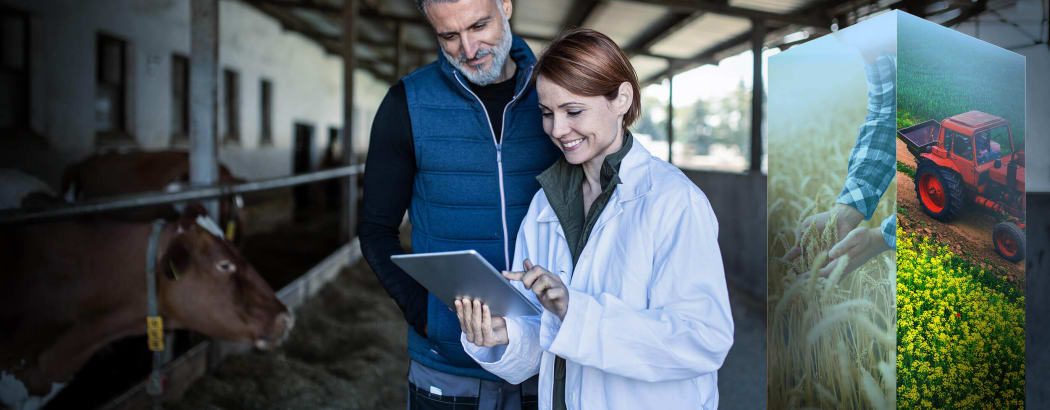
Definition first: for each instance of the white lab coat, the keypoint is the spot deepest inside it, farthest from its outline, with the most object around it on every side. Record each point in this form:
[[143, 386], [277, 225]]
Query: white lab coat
[[648, 323]]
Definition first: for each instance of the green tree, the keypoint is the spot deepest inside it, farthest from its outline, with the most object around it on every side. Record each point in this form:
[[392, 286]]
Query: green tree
[[657, 130]]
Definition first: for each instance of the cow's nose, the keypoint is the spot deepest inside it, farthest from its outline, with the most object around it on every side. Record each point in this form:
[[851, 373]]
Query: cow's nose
[[282, 327]]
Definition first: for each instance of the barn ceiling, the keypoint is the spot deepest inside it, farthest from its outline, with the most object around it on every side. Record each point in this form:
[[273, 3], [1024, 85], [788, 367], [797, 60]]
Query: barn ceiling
[[663, 37]]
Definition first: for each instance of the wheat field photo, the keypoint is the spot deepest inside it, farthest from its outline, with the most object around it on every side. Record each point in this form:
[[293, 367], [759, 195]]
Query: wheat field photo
[[831, 341]]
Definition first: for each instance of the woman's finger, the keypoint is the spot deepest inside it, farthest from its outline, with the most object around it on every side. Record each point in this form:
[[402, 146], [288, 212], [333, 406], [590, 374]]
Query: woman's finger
[[513, 275], [540, 286], [556, 293], [532, 275]]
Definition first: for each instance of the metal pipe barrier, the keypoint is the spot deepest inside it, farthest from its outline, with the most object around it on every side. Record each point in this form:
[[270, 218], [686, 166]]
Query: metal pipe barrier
[[161, 198]]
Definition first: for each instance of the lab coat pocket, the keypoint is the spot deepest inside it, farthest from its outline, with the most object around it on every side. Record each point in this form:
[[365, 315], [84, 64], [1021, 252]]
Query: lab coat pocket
[[618, 266]]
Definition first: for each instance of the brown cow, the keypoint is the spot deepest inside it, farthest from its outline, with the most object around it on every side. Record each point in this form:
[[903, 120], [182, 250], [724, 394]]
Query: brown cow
[[71, 287], [118, 173]]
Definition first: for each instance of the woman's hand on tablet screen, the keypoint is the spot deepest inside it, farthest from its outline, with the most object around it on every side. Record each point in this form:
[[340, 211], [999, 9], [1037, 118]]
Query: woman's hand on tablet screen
[[477, 322], [548, 287]]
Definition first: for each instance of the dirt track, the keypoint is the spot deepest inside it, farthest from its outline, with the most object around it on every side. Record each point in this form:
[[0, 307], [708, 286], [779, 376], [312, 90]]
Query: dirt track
[[969, 235]]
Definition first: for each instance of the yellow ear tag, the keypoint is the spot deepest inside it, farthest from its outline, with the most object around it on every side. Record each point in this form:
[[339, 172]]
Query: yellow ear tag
[[231, 228], [174, 272], [155, 333]]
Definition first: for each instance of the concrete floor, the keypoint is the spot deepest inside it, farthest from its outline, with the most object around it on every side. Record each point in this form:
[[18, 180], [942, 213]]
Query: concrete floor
[[742, 379]]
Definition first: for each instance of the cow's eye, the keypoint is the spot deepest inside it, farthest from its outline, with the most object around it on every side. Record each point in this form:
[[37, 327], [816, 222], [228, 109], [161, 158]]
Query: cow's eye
[[226, 267]]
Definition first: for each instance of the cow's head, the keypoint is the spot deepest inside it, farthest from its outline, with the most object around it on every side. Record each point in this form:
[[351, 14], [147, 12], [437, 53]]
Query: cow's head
[[210, 288]]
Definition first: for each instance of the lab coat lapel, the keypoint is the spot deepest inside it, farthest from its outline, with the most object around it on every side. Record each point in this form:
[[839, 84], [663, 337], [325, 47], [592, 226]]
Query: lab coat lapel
[[547, 215]]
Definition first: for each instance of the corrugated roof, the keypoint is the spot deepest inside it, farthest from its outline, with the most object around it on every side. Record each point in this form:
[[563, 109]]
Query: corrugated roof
[[622, 21], [647, 67], [701, 34], [540, 17]]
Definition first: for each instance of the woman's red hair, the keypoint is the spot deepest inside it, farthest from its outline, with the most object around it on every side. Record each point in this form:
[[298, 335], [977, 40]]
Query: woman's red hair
[[588, 63]]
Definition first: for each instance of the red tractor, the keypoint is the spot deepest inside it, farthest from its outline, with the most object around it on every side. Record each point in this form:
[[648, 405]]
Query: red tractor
[[971, 158]]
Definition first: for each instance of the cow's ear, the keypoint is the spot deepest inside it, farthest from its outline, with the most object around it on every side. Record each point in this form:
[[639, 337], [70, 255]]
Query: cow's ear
[[190, 214], [176, 259]]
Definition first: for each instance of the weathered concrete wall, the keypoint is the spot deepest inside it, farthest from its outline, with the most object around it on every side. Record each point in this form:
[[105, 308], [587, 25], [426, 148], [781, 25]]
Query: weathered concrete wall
[[739, 201], [307, 83], [1037, 299]]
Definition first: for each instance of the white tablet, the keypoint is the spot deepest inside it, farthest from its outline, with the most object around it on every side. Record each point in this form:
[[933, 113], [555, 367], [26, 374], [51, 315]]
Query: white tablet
[[451, 275]]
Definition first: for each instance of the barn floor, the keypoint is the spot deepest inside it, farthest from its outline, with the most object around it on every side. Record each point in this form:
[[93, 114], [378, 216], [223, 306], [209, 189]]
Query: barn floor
[[347, 350]]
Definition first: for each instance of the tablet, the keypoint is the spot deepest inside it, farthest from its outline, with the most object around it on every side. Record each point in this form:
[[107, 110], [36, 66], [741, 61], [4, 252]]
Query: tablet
[[450, 275]]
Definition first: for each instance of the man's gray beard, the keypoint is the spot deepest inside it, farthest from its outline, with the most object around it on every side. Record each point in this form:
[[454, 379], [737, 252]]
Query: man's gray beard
[[499, 57]]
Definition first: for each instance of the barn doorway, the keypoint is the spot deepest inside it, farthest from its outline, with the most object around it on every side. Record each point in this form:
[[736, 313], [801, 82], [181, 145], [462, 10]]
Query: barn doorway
[[301, 163], [332, 158]]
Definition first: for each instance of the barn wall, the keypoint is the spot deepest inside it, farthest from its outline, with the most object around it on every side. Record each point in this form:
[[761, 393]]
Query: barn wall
[[307, 83], [739, 202], [1037, 298]]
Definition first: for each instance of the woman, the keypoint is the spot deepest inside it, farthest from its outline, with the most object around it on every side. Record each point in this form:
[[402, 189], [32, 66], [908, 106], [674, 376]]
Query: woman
[[619, 248]]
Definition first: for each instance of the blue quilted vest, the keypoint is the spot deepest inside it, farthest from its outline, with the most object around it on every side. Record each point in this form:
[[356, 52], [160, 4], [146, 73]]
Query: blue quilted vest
[[469, 192]]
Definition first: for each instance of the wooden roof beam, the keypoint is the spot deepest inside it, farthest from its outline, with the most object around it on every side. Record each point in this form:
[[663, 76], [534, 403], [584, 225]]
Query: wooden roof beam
[[660, 30], [581, 10]]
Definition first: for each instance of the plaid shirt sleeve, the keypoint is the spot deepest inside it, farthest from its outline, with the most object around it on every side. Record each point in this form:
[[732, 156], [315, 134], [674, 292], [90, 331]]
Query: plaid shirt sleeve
[[889, 231], [871, 163]]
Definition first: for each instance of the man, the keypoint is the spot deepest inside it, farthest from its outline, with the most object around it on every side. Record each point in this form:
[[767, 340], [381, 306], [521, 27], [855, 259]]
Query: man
[[458, 144]]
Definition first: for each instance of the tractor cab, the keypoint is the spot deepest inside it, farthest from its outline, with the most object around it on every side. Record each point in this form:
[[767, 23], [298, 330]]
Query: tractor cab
[[981, 149], [979, 144]]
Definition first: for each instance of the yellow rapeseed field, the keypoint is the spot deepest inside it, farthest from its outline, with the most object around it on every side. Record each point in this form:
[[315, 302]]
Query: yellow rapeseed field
[[831, 342], [960, 343]]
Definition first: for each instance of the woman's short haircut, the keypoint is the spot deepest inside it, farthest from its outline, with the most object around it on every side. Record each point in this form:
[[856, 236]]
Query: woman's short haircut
[[588, 63]]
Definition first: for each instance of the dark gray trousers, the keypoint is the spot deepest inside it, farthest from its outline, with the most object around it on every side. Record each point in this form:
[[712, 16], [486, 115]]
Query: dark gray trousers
[[432, 389]]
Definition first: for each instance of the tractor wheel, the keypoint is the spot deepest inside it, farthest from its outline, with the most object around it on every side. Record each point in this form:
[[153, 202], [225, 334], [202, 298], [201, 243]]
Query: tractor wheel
[[1009, 241], [939, 191]]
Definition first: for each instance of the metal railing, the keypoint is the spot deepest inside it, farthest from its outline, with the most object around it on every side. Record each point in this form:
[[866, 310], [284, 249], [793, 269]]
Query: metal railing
[[160, 198]]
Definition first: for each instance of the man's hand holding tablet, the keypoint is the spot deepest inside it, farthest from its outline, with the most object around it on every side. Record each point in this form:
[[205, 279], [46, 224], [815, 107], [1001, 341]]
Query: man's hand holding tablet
[[477, 322]]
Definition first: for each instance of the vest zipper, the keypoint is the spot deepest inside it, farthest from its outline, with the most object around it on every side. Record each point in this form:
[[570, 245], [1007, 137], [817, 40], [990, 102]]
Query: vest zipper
[[499, 157]]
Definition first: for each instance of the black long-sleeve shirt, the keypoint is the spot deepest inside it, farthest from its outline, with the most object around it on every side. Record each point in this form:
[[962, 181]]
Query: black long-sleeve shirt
[[389, 174]]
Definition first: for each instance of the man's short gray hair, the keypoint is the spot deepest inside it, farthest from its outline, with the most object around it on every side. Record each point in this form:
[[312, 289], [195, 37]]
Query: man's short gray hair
[[422, 4]]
